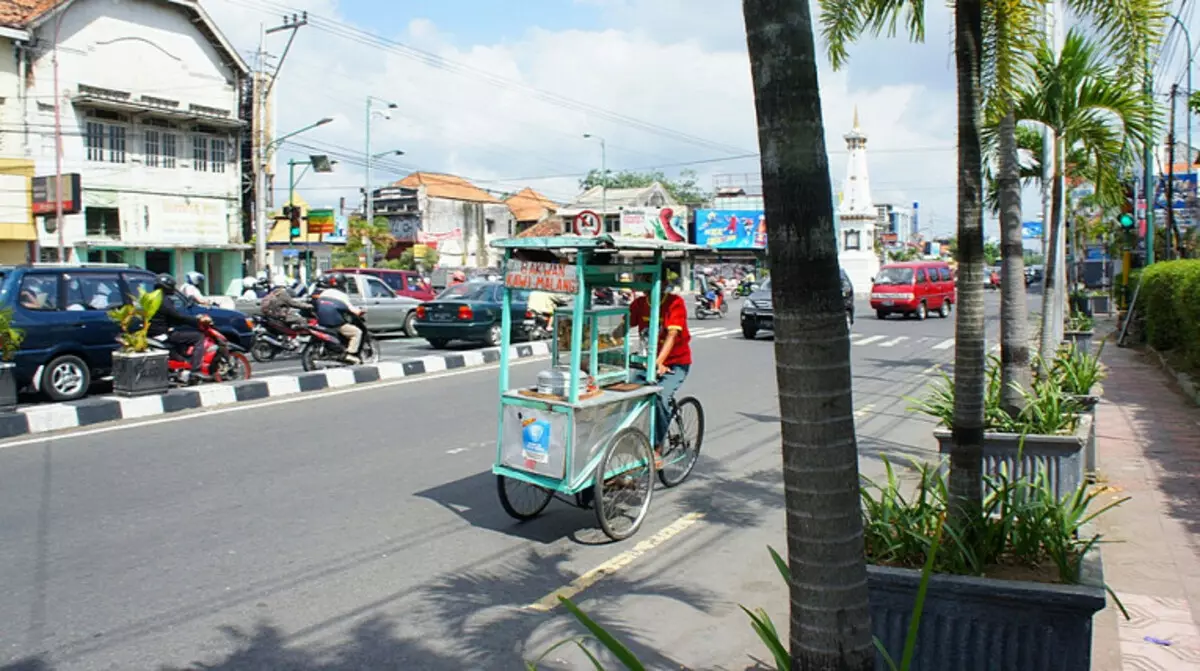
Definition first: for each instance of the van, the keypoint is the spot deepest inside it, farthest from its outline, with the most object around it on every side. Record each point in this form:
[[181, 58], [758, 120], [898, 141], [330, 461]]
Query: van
[[914, 288]]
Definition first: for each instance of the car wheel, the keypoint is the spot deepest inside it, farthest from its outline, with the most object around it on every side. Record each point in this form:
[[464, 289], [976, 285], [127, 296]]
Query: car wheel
[[410, 324], [494, 336], [922, 312], [438, 343], [881, 314], [66, 378], [944, 310], [749, 332]]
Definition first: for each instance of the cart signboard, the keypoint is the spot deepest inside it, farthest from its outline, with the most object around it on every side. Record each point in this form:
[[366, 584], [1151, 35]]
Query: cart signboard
[[554, 278], [535, 441]]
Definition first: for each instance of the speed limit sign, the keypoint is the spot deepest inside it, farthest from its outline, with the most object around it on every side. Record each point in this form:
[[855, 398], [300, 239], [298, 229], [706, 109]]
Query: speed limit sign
[[587, 223]]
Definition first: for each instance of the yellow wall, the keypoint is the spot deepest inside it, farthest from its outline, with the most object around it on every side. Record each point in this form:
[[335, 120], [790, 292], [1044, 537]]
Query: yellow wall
[[16, 216], [12, 253]]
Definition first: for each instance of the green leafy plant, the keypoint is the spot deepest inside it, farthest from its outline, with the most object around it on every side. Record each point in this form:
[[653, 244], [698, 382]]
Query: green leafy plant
[[134, 320], [1080, 322], [1077, 372], [11, 337]]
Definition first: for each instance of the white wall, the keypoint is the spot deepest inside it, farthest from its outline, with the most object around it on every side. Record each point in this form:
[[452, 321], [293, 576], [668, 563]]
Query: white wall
[[440, 215], [152, 49]]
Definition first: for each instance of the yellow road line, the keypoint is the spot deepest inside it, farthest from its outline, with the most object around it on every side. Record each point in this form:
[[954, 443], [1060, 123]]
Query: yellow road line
[[550, 601]]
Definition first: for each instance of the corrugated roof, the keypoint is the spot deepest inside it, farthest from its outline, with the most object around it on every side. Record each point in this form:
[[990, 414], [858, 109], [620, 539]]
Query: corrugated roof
[[529, 205], [450, 187], [549, 228], [595, 198]]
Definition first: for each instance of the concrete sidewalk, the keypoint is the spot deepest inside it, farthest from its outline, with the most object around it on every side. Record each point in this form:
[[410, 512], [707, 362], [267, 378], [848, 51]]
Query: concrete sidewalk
[[1148, 446]]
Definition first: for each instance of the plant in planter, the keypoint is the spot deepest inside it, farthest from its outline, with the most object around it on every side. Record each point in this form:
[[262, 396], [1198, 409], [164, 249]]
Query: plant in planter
[[1079, 331], [1079, 375], [10, 343], [1101, 302], [137, 369]]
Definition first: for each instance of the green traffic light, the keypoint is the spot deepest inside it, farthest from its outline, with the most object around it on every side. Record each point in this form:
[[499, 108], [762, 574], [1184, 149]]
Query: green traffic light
[[1126, 221]]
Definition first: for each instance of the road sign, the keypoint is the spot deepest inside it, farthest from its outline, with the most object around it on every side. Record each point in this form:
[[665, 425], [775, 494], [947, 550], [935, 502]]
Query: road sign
[[588, 223]]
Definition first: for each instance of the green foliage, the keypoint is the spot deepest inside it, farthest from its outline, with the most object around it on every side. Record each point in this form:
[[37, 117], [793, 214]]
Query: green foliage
[[906, 254], [1170, 300], [686, 189], [991, 253], [10, 336], [134, 320], [379, 232], [1021, 524], [408, 260], [1080, 322], [1077, 373]]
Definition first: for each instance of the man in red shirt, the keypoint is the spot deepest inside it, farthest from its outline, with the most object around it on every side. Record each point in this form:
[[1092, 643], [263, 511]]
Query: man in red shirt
[[674, 348]]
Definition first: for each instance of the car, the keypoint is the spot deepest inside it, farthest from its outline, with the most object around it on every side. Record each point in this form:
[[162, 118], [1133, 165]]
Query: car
[[386, 311], [408, 283], [758, 312], [914, 288], [69, 337], [471, 311]]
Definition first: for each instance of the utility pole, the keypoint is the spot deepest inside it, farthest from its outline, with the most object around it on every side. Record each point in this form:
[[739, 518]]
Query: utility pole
[[262, 91], [1170, 187], [1148, 163]]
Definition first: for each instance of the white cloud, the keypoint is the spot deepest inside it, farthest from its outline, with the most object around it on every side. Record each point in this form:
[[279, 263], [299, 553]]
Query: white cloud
[[681, 66]]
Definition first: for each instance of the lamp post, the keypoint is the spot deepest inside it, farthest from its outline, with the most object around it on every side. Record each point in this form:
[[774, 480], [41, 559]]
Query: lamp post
[[603, 179], [1187, 36], [318, 163], [260, 214], [369, 209]]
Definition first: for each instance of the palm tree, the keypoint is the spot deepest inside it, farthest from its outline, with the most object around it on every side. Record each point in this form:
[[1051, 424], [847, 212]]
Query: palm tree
[[830, 622], [1091, 107]]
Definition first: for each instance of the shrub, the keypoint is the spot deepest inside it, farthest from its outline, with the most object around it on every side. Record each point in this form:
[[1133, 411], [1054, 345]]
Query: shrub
[[1170, 300]]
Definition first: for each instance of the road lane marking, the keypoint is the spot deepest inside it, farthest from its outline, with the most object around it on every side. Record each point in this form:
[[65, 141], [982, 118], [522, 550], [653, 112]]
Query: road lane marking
[[893, 342], [868, 341], [205, 413], [718, 333], [945, 344], [456, 450], [586, 580], [864, 410]]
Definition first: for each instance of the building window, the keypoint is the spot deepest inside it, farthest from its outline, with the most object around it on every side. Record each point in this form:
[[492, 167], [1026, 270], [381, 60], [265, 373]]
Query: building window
[[95, 141], [218, 155], [612, 224], [106, 256], [491, 226], [853, 240], [200, 153], [151, 147], [116, 144], [169, 151], [102, 222]]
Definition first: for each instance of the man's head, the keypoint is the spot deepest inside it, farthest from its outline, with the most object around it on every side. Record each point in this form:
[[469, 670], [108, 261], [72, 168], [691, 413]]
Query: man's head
[[165, 283]]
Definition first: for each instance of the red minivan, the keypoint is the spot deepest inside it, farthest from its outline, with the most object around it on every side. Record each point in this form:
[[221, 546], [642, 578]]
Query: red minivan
[[915, 288], [404, 282]]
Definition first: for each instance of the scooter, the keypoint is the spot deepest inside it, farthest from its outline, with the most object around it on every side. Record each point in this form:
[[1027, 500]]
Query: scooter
[[745, 289], [224, 361], [537, 325], [711, 304], [273, 337], [326, 349]]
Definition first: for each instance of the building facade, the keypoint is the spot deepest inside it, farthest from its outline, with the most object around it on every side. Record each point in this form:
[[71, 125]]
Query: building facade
[[148, 97], [459, 218], [857, 216], [611, 203], [893, 225]]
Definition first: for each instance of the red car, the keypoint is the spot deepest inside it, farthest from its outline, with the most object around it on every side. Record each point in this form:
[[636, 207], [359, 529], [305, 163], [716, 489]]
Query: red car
[[914, 288], [404, 282]]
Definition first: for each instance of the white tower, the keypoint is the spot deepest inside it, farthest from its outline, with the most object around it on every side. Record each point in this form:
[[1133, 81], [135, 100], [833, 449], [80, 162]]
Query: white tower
[[857, 216]]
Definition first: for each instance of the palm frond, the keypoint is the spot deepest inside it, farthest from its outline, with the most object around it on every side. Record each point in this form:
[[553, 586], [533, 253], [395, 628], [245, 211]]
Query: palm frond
[[843, 22], [1131, 27]]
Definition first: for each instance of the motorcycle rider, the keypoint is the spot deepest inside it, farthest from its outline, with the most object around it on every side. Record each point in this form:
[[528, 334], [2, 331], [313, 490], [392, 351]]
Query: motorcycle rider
[[191, 288], [249, 289], [182, 329], [459, 277], [332, 307], [281, 305]]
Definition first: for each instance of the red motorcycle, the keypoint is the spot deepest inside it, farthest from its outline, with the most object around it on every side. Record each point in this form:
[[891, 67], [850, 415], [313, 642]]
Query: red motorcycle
[[224, 361]]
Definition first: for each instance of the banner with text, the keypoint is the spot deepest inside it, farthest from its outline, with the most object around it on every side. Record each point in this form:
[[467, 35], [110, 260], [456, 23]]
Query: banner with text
[[731, 229], [554, 278]]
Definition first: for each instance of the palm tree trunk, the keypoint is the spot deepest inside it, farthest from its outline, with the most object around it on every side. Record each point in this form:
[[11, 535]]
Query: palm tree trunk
[[1014, 317], [1051, 315], [966, 459], [830, 620]]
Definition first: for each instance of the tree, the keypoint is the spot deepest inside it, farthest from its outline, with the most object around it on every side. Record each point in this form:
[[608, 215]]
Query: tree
[[408, 259], [378, 232], [991, 253], [830, 621], [686, 189]]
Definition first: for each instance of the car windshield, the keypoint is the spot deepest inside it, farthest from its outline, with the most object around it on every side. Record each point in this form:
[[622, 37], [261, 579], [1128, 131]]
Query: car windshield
[[765, 286], [471, 291], [894, 276]]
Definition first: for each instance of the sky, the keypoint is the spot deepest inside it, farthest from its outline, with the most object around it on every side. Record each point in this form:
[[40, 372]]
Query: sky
[[502, 92]]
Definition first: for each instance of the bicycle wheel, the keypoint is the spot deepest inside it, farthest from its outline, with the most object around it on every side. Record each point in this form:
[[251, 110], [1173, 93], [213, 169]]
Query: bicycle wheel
[[520, 499], [685, 434], [624, 484]]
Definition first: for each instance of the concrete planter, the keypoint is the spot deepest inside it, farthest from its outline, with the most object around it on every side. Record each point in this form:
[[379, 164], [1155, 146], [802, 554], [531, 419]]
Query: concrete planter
[[8, 386], [140, 373], [1081, 339], [1089, 450], [985, 624], [1101, 304], [1061, 458]]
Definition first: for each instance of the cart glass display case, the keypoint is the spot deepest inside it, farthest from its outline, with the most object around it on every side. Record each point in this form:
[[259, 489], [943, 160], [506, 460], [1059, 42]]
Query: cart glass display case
[[605, 349]]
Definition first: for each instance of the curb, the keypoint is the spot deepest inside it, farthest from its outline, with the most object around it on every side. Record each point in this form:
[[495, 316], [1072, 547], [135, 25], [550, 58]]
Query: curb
[[1185, 381], [99, 409]]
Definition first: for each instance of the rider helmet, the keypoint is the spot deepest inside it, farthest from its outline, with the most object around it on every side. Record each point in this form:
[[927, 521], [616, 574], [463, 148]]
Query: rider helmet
[[280, 280], [459, 276], [249, 283], [337, 280], [165, 282], [194, 278]]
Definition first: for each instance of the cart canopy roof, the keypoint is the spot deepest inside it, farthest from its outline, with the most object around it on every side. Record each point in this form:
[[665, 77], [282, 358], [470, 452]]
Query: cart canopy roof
[[597, 242]]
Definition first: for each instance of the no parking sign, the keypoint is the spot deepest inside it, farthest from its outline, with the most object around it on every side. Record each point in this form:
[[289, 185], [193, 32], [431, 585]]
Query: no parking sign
[[588, 223]]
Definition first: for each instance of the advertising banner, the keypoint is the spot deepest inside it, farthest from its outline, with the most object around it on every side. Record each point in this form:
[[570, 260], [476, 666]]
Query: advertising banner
[[321, 222], [555, 278], [1183, 194], [661, 223], [731, 229], [1031, 230]]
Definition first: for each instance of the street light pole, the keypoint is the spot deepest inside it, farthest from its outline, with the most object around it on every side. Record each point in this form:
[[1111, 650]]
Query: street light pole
[[603, 179], [369, 208], [260, 226]]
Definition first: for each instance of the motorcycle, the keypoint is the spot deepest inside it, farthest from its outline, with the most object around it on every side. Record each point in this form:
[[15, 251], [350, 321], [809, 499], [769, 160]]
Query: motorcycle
[[745, 289], [273, 337], [711, 304], [326, 348], [537, 325], [224, 361]]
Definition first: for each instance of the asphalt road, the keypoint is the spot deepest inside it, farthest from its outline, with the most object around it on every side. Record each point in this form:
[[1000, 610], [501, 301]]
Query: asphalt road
[[360, 529]]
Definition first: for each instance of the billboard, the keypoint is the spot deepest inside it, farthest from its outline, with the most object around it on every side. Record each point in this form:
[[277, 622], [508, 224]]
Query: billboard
[[731, 229], [662, 223], [44, 192], [1031, 230], [1183, 194]]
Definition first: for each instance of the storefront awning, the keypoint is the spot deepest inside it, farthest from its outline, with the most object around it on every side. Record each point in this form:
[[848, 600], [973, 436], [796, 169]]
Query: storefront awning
[[106, 243], [122, 102]]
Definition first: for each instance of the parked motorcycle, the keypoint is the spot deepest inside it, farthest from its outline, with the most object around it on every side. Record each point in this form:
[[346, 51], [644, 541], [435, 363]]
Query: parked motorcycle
[[327, 349], [224, 361], [273, 337], [711, 304]]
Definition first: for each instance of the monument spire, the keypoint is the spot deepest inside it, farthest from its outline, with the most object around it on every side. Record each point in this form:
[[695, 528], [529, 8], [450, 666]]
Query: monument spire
[[856, 214]]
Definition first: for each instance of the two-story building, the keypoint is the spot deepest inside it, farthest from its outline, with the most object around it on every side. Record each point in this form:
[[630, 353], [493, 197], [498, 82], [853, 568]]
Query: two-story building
[[17, 232], [460, 217], [148, 101]]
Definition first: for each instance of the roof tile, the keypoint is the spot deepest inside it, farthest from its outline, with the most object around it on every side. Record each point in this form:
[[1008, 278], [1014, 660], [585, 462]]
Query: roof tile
[[450, 187], [529, 205]]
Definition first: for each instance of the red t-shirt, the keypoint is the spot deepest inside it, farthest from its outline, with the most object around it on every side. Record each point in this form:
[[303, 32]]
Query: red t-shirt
[[672, 318]]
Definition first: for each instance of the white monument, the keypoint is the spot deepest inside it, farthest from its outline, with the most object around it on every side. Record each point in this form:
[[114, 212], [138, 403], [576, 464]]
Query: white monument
[[857, 216]]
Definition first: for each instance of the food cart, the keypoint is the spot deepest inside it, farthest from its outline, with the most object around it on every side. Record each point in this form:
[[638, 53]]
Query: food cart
[[583, 432]]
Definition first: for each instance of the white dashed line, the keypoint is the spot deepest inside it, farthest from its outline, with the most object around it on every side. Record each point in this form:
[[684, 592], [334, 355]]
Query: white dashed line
[[945, 344], [893, 342], [868, 341]]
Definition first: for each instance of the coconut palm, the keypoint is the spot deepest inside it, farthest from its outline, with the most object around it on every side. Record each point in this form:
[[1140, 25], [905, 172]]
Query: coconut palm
[[830, 623], [1091, 107]]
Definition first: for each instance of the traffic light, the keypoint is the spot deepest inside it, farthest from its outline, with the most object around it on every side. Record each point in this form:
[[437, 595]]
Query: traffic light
[[1126, 220], [293, 215]]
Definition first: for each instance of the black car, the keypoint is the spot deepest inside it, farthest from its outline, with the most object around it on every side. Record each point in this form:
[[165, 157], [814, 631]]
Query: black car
[[471, 312], [69, 337], [758, 314]]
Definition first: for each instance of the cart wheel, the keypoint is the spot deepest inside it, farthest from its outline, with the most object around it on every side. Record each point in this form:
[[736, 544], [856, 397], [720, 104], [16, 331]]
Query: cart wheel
[[624, 484], [685, 435], [520, 499]]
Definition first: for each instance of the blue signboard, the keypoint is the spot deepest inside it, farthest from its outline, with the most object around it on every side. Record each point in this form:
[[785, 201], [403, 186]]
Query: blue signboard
[[731, 229], [1031, 230]]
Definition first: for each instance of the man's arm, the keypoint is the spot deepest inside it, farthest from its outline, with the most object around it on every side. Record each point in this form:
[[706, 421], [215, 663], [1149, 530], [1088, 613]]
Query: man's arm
[[174, 315]]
